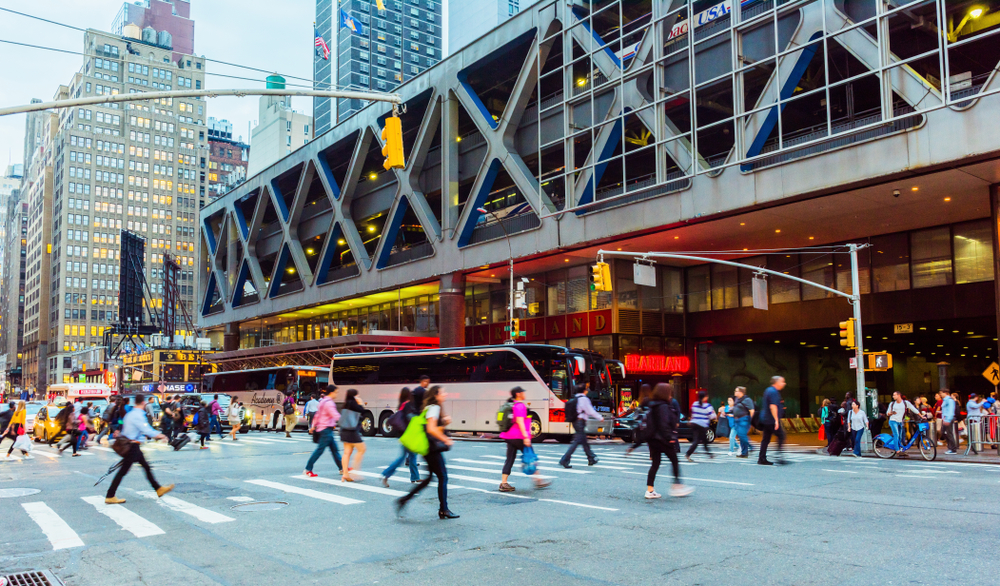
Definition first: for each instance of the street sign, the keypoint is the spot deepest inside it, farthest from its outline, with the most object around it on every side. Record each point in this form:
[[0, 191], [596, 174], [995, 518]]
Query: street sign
[[992, 374], [759, 290], [853, 362], [902, 328], [644, 275], [879, 361], [83, 378]]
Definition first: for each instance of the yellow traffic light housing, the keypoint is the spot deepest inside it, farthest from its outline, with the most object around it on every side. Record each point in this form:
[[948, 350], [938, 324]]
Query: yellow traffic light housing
[[600, 277], [515, 328], [847, 334], [879, 361], [392, 138], [605, 275]]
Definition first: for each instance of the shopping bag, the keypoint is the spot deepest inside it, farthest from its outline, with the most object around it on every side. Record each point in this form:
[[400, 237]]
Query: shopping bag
[[529, 461], [22, 443], [822, 433], [415, 436]]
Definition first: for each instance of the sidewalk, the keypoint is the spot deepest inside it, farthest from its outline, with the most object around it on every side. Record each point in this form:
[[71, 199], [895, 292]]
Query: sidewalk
[[989, 456]]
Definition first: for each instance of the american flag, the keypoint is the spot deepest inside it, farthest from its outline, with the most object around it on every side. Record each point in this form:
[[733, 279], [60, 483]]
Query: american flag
[[321, 45]]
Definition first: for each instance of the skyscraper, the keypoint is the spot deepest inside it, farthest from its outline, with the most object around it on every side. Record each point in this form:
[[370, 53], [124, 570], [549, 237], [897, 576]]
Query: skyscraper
[[465, 26], [373, 49]]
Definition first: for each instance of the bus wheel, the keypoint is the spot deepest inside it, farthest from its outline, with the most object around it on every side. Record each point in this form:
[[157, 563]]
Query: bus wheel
[[367, 424], [385, 428], [535, 428]]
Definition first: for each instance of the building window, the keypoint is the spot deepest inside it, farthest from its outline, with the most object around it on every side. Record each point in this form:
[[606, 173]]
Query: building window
[[930, 251], [973, 244], [698, 286], [891, 263], [725, 287], [784, 290]]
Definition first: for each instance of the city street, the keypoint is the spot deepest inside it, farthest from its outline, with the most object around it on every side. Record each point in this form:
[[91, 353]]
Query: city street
[[819, 520]]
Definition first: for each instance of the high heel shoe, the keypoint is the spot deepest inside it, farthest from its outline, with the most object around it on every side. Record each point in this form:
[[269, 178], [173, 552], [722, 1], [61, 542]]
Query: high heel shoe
[[447, 515]]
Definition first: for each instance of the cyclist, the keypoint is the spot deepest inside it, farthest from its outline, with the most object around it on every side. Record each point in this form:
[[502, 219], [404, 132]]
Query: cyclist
[[896, 411]]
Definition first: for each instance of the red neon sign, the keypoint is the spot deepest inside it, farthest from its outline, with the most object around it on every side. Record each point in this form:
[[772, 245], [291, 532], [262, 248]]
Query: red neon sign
[[661, 364]]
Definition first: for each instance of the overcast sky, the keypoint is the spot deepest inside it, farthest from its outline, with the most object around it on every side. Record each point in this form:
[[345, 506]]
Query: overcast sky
[[276, 36]]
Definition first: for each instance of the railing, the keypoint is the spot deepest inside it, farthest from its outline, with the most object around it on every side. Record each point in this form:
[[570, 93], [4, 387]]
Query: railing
[[982, 431], [514, 225], [342, 273], [424, 249], [675, 182]]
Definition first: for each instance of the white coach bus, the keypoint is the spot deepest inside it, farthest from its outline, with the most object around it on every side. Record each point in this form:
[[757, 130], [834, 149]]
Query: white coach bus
[[263, 390], [478, 381]]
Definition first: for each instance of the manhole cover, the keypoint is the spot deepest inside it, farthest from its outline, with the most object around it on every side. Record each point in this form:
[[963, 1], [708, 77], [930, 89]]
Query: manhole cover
[[10, 493], [260, 506]]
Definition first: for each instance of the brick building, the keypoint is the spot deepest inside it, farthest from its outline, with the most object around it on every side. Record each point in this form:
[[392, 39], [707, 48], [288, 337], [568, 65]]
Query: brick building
[[228, 158]]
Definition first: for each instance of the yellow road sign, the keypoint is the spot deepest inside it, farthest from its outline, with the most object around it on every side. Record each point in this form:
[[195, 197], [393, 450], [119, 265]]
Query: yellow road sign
[[992, 374]]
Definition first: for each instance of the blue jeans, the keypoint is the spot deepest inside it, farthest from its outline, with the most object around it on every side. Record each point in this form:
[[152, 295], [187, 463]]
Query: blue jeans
[[215, 425], [858, 435], [325, 441], [897, 433], [742, 431], [411, 460], [732, 434]]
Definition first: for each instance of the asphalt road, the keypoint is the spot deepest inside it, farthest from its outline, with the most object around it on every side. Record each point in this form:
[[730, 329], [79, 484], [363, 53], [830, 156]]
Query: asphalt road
[[819, 520]]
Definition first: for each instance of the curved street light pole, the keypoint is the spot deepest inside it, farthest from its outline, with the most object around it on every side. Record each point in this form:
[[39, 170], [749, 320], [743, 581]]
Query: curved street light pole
[[510, 251]]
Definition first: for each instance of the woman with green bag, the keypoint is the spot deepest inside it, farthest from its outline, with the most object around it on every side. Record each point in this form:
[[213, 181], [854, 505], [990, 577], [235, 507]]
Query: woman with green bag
[[432, 447]]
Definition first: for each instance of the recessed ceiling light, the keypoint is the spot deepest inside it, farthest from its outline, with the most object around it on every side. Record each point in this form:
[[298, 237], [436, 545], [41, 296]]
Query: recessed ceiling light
[[619, 249], [947, 199], [743, 223], [677, 237], [749, 339], [778, 231], [812, 238], [566, 260], [914, 188]]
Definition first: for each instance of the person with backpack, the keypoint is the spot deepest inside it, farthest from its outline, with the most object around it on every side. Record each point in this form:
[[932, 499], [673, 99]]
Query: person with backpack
[[288, 410], [772, 410], [579, 409], [235, 417], [407, 456], [515, 430], [350, 434], [645, 396], [309, 411], [203, 423], [661, 435], [323, 424], [108, 416], [702, 415], [439, 442], [16, 429], [743, 410], [825, 415]]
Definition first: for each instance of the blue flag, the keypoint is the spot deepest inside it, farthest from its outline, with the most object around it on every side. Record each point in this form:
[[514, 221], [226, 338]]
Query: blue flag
[[347, 21]]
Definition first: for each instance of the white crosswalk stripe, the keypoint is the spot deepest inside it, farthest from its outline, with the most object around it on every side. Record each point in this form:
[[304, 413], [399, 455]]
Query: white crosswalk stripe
[[354, 485], [323, 496], [58, 532], [126, 519], [187, 508], [488, 471], [560, 469], [554, 459]]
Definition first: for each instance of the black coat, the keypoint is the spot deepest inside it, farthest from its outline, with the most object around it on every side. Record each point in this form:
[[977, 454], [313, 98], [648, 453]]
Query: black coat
[[204, 420]]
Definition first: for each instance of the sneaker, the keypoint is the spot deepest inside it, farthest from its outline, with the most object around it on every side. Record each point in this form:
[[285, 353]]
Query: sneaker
[[28, 457], [164, 490], [310, 474], [681, 491], [940, 443], [540, 484], [765, 462], [688, 458], [111, 500], [742, 455], [203, 448], [592, 462], [652, 494], [504, 487], [951, 452]]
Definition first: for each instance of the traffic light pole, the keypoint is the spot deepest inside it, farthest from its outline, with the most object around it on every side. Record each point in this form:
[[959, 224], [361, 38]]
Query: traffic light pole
[[859, 341]]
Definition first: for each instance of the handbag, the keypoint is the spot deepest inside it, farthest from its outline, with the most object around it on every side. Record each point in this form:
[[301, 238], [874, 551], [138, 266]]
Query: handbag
[[436, 446], [397, 422], [122, 445], [349, 420], [22, 443], [415, 436], [822, 433], [529, 460]]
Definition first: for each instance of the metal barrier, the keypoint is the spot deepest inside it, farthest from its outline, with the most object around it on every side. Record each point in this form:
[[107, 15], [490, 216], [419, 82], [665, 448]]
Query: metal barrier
[[981, 432]]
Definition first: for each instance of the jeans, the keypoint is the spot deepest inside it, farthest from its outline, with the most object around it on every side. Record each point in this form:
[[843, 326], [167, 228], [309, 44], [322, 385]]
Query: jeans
[[766, 439], [897, 432], [411, 460], [732, 435], [579, 438], [133, 456], [215, 425], [435, 467], [859, 435], [325, 441], [107, 431], [656, 451], [698, 437], [742, 431]]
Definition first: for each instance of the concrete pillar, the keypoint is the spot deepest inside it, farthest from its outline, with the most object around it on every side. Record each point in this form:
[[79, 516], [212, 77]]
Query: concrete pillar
[[943, 375], [995, 215], [452, 310], [231, 339]]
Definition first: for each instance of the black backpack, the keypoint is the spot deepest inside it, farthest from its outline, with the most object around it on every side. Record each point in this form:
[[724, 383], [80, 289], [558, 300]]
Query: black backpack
[[571, 414], [646, 428], [289, 408]]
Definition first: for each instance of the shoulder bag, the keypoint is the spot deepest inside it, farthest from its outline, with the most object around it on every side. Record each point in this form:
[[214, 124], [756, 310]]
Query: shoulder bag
[[121, 445], [414, 438]]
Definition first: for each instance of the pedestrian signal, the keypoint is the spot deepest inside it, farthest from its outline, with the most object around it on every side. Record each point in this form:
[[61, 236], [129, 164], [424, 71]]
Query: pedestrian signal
[[392, 138], [847, 334], [879, 361]]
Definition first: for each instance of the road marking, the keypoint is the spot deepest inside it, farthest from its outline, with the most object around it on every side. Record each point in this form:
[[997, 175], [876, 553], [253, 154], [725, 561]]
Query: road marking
[[125, 518], [264, 440], [551, 458], [697, 479], [354, 485], [842, 471], [46, 454], [187, 508], [323, 496], [41, 451], [488, 471], [101, 448], [578, 505], [240, 499], [560, 469], [59, 534], [915, 476]]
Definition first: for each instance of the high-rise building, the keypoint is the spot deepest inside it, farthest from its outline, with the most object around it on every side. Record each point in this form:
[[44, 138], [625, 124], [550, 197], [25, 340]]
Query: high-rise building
[[10, 189], [12, 292], [139, 166], [465, 26], [279, 131], [373, 49], [161, 22], [227, 159]]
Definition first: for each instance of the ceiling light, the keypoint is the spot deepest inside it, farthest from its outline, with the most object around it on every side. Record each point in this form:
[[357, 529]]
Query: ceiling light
[[914, 188], [778, 231], [743, 223], [458, 139], [812, 238], [976, 12], [581, 82], [566, 260], [310, 251], [749, 339], [677, 237], [947, 199], [371, 228], [372, 176], [341, 242], [954, 331], [619, 249], [777, 341], [290, 270]]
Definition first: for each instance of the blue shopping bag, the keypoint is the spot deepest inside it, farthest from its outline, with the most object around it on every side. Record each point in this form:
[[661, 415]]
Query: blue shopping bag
[[529, 461]]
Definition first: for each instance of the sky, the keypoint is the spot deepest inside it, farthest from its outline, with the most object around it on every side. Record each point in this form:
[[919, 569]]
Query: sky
[[275, 36]]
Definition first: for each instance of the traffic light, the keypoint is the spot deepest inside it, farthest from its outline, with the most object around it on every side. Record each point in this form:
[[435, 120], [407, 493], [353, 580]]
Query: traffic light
[[515, 328], [879, 361], [847, 333], [600, 277], [392, 137]]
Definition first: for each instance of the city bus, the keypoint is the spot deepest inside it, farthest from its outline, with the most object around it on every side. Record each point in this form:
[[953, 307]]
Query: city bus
[[478, 381], [69, 392], [263, 390]]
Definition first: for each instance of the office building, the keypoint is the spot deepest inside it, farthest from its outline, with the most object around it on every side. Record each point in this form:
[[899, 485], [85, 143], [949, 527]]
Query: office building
[[228, 158], [164, 22], [372, 49], [279, 131]]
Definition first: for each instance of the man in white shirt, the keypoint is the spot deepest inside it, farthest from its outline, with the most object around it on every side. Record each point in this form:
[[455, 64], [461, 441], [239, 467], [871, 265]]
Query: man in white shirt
[[896, 411], [584, 411], [312, 405]]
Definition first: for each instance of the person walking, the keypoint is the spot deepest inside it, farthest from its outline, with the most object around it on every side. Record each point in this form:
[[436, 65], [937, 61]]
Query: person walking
[[235, 418], [78, 426], [896, 411], [645, 396], [5, 432], [518, 437], [135, 427], [407, 456], [16, 429], [350, 434], [824, 415], [743, 410], [203, 425], [583, 411], [857, 423], [288, 409], [216, 416], [727, 412], [309, 411], [772, 410], [439, 442], [167, 420], [664, 420], [949, 421], [702, 415], [109, 417], [63, 419], [323, 423]]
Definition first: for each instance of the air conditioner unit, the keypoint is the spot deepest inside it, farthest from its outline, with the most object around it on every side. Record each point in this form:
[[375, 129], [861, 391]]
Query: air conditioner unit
[[156, 340], [204, 344], [189, 341]]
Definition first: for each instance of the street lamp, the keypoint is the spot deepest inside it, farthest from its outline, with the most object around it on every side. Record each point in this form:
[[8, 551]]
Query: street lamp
[[510, 305], [973, 14]]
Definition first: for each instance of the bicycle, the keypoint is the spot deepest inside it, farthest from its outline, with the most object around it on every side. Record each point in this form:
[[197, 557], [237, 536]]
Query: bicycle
[[886, 446]]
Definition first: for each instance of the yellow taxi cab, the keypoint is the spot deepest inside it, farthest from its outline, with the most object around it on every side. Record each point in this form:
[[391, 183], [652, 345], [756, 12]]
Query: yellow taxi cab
[[46, 427]]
